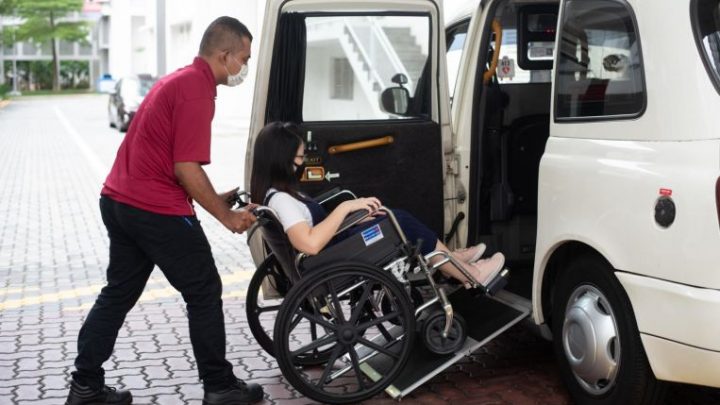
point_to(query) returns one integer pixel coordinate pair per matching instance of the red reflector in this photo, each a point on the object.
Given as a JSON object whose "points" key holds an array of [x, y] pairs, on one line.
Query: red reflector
{"points": [[666, 192], [717, 197]]}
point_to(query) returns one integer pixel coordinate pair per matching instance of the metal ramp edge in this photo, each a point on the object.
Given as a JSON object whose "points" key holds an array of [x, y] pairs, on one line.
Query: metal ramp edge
{"points": [[486, 317]]}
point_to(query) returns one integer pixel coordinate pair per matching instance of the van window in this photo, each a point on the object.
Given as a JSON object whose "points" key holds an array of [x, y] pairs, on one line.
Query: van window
{"points": [[351, 59], [706, 16], [599, 69], [455, 42], [509, 55]]}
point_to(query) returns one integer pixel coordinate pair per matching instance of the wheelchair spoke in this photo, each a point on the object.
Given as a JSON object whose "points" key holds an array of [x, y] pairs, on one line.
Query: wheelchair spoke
{"points": [[382, 349], [313, 346], [296, 320], [314, 318], [360, 305], [379, 321], [356, 367], [328, 368], [336, 302], [385, 332]]}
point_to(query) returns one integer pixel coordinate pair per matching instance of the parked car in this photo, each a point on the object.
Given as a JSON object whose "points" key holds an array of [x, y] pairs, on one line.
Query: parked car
{"points": [[125, 99], [589, 160]]}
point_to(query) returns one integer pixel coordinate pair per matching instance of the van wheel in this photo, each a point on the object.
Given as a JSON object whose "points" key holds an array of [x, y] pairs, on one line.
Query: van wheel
{"points": [[596, 340]]}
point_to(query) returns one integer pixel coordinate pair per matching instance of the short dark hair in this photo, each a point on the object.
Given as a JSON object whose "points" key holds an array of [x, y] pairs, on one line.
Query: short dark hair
{"points": [[275, 148], [223, 34]]}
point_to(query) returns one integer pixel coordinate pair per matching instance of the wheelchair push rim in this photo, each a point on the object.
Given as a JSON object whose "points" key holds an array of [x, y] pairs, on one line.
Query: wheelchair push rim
{"points": [[369, 347], [262, 311]]}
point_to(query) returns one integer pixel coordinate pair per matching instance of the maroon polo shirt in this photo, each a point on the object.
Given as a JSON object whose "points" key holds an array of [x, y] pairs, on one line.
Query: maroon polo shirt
{"points": [[171, 125]]}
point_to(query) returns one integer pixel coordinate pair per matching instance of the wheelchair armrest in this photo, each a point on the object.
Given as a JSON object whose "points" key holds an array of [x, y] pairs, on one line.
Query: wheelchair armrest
{"points": [[333, 194], [352, 219]]}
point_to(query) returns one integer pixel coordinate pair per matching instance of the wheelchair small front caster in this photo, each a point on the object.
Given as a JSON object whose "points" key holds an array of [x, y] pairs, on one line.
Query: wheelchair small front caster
{"points": [[432, 330]]}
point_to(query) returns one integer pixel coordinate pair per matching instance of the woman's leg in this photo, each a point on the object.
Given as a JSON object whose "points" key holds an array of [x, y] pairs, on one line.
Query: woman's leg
{"points": [[482, 271]]}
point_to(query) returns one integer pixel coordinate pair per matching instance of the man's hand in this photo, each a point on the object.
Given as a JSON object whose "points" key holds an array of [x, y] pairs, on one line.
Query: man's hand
{"points": [[229, 196], [193, 178], [238, 221]]}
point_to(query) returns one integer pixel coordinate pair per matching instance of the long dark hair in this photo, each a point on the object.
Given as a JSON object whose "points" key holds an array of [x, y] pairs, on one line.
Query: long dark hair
{"points": [[275, 149]]}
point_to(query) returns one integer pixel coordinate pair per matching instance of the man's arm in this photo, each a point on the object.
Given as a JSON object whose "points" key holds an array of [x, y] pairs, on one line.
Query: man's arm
{"points": [[194, 180]]}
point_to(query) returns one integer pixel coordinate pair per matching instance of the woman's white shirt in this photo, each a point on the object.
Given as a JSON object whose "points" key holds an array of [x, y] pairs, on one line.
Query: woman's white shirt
{"points": [[289, 209]]}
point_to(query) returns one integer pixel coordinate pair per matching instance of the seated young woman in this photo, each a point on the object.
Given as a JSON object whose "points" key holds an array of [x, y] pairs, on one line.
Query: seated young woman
{"points": [[277, 165]]}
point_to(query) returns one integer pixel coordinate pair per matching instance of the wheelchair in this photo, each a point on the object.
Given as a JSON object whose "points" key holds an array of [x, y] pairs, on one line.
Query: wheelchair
{"points": [[344, 323]]}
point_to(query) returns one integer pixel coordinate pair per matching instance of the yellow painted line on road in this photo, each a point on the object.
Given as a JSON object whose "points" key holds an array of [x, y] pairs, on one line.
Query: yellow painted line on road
{"points": [[150, 295], [8, 291]]}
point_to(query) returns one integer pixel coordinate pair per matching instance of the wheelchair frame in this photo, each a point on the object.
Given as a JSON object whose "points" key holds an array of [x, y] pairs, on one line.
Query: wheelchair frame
{"points": [[403, 272]]}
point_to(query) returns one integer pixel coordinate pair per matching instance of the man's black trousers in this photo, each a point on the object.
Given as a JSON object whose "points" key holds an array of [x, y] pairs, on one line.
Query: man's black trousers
{"points": [[139, 240]]}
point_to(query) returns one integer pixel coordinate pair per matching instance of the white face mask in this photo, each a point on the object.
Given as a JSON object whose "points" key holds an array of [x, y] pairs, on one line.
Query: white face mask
{"points": [[236, 79]]}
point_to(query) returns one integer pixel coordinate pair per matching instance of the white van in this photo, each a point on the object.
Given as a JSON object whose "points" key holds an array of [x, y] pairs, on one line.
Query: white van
{"points": [[591, 158]]}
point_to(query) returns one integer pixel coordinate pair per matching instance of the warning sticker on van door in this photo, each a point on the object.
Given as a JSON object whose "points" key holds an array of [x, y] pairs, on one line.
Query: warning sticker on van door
{"points": [[372, 235], [506, 68]]}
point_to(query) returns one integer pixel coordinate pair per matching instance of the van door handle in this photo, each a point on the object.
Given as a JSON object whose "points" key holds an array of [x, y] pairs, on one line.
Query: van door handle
{"points": [[371, 143]]}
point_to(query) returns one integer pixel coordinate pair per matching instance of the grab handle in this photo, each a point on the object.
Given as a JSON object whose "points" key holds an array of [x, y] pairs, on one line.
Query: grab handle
{"points": [[372, 143]]}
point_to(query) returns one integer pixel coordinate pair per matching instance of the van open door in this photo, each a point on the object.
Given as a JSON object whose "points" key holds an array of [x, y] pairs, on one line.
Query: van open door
{"points": [[366, 83]]}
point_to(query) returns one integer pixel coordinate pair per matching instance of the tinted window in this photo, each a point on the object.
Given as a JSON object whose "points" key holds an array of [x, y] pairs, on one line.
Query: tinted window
{"points": [[707, 32], [350, 60], [599, 71]]}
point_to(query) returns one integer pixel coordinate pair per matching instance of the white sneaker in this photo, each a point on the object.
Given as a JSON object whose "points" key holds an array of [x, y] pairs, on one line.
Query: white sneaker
{"points": [[490, 268], [471, 254]]}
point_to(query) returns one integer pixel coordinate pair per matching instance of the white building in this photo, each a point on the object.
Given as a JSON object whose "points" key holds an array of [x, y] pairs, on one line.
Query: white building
{"points": [[131, 43]]}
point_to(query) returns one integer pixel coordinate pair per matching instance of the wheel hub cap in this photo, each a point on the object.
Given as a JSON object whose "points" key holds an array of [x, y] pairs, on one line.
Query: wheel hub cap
{"points": [[346, 335], [590, 339]]}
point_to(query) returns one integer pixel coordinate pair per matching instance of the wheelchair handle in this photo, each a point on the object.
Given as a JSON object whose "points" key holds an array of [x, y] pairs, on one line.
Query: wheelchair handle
{"points": [[239, 199]]}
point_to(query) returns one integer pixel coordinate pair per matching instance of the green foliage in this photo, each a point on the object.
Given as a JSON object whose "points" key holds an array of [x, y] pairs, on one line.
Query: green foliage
{"points": [[4, 89], [7, 7], [36, 76], [41, 20], [75, 74], [45, 21]]}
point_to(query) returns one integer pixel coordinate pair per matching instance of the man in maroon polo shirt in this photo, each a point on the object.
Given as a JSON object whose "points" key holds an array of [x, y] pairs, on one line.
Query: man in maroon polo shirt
{"points": [[147, 207]]}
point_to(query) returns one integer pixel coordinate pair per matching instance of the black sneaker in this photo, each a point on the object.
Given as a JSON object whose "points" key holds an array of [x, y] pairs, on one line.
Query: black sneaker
{"points": [[238, 393], [81, 395]]}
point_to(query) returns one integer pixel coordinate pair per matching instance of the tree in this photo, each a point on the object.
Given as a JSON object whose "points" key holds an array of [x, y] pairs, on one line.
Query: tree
{"points": [[45, 21]]}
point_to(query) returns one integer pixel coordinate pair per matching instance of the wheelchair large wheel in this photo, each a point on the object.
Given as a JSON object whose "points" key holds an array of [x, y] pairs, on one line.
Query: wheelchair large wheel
{"points": [[262, 311], [369, 347]]}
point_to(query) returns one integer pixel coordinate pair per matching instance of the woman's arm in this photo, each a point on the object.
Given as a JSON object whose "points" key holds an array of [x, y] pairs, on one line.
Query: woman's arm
{"points": [[311, 240]]}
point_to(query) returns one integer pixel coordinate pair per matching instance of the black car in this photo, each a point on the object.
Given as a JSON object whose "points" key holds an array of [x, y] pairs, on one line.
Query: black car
{"points": [[125, 99]]}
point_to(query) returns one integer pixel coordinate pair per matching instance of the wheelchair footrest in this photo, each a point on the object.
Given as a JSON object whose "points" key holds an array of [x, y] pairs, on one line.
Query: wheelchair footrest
{"points": [[498, 283], [486, 318]]}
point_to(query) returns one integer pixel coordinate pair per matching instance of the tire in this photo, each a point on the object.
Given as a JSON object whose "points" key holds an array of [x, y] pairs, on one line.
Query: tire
{"points": [[596, 340], [123, 123], [431, 333], [261, 313], [329, 297]]}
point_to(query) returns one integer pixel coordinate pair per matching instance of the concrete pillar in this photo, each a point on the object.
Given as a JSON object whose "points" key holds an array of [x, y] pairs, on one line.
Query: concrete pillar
{"points": [[160, 31]]}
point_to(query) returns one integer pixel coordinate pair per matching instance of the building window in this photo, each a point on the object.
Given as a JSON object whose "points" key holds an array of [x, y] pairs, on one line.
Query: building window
{"points": [[343, 78]]}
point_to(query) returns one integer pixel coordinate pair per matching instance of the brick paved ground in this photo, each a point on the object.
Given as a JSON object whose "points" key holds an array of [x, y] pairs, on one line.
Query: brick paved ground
{"points": [[53, 251]]}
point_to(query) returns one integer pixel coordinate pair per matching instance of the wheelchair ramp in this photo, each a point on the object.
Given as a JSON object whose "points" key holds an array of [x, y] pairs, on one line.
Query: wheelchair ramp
{"points": [[486, 318]]}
